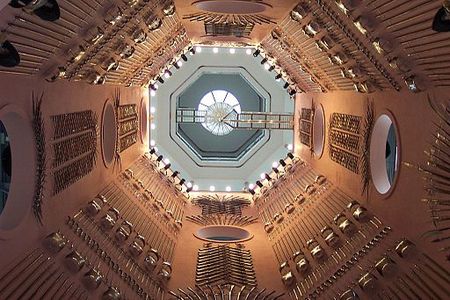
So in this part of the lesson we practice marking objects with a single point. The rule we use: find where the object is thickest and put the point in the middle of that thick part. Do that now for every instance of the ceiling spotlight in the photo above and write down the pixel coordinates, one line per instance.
(228, 189)
(275, 170)
(166, 167)
(152, 109)
(215, 50)
(264, 60)
(251, 186)
(248, 51)
(290, 155)
(282, 163)
(192, 51)
(272, 67)
(188, 190)
(266, 66)
(179, 63)
(152, 151)
(286, 85)
(292, 92)
(152, 126)
(160, 79)
(183, 57)
(259, 184)
(166, 161)
(212, 188)
(160, 158)
(152, 143)
(262, 175)
(256, 53)
(198, 49)
(152, 93)
(154, 87)
(176, 65)
(278, 76)
(252, 192)
(267, 176)
(232, 50)
(182, 181)
(174, 174)
(167, 73)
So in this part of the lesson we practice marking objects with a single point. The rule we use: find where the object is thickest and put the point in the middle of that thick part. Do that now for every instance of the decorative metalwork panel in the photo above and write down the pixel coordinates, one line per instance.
(345, 140)
(74, 147)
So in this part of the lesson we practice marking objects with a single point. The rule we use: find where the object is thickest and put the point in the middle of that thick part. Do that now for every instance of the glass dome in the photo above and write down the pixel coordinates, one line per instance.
(217, 105)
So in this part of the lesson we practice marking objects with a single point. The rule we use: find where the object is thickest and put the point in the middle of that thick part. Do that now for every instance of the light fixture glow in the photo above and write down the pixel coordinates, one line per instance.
(228, 188)
(262, 176)
(179, 63)
(198, 49)
(232, 50)
(152, 143)
(152, 109)
(195, 187)
(166, 161)
(189, 184)
(215, 50)
(251, 186)
(248, 51)
(212, 188)
(290, 147)
(266, 66)
(152, 126)
(275, 164)
(152, 93)
(167, 73)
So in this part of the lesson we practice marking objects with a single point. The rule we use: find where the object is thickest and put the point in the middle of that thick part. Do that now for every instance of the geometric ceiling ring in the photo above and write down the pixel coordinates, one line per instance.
(189, 145)
(22, 169)
(223, 234)
(232, 6)
(318, 131)
(144, 120)
(108, 134)
(384, 153)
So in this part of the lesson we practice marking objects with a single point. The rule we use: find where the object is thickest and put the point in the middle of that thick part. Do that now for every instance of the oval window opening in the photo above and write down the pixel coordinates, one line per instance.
(319, 131)
(384, 154)
(5, 166)
(109, 133)
(223, 234)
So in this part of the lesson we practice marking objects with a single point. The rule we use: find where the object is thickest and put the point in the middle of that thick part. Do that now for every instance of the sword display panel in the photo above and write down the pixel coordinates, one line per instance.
(344, 139)
(74, 147)
(306, 127)
(128, 126)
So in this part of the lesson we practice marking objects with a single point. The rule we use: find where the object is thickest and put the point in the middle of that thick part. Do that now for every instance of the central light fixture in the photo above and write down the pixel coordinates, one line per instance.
(218, 105)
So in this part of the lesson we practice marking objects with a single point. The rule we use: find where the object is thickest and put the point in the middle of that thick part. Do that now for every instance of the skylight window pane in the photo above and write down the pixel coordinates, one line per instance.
(207, 100)
(220, 95)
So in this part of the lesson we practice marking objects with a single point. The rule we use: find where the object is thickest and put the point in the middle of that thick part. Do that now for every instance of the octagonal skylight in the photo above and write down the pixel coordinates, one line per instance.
(218, 105)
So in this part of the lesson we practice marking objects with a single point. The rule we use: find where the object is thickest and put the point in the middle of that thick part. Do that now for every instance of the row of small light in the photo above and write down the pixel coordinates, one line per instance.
(271, 65)
(164, 166)
(278, 170)
(166, 72)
